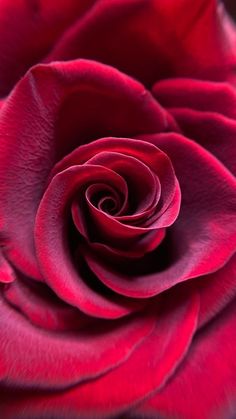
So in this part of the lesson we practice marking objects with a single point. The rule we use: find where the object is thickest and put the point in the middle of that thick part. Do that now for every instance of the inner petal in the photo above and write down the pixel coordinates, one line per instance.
(142, 185)
(107, 199)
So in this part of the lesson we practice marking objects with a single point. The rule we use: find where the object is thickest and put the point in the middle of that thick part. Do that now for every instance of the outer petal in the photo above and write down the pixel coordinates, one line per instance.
(28, 30)
(150, 365)
(35, 358)
(152, 39)
(216, 291)
(205, 112)
(205, 385)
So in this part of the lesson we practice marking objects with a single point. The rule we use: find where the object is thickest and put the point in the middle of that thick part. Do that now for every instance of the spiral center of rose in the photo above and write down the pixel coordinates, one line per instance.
(121, 195)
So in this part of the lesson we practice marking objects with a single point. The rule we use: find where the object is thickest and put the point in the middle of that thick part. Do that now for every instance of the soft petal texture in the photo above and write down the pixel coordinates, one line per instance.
(205, 112)
(216, 290)
(39, 24)
(38, 303)
(205, 384)
(32, 139)
(48, 360)
(7, 273)
(154, 360)
(152, 39)
(52, 244)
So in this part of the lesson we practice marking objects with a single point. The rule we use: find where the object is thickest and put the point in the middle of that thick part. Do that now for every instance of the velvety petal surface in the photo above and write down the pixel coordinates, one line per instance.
(37, 358)
(152, 39)
(47, 115)
(39, 25)
(154, 360)
(205, 384)
(205, 112)
(202, 238)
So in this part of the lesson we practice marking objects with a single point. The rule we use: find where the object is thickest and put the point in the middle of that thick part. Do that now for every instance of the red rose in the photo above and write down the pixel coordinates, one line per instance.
(117, 212)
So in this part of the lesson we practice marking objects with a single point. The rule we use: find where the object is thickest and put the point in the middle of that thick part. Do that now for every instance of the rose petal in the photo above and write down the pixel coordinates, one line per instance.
(202, 238)
(7, 274)
(36, 358)
(43, 308)
(216, 290)
(204, 386)
(73, 93)
(154, 360)
(152, 39)
(39, 25)
(205, 112)
(53, 252)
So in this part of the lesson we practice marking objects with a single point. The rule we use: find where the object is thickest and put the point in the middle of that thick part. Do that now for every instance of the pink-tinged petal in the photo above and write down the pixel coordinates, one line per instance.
(48, 114)
(206, 221)
(28, 30)
(51, 235)
(202, 238)
(143, 151)
(35, 358)
(7, 273)
(197, 94)
(133, 171)
(204, 386)
(216, 290)
(146, 244)
(214, 132)
(152, 39)
(205, 112)
(151, 364)
(38, 303)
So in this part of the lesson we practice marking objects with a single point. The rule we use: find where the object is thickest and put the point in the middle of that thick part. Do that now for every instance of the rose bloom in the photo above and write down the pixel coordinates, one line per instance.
(117, 209)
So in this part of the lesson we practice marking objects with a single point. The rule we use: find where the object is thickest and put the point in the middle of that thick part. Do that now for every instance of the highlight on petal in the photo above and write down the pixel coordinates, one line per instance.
(152, 39)
(151, 364)
(39, 25)
(32, 357)
(7, 274)
(195, 244)
(41, 306)
(205, 112)
(205, 384)
(53, 248)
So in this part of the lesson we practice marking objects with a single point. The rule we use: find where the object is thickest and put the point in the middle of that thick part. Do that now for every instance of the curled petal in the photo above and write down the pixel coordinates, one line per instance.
(35, 358)
(155, 360)
(207, 374)
(52, 245)
(47, 115)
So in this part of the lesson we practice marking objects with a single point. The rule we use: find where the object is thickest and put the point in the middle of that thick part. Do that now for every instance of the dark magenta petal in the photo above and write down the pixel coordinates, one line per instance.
(152, 40)
(37, 302)
(145, 244)
(206, 221)
(7, 273)
(155, 360)
(197, 94)
(216, 290)
(141, 182)
(205, 112)
(204, 386)
(39, 25)
(202, 238)
(53, 250)
(32, 140)
(37, 358)
(143, 151)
